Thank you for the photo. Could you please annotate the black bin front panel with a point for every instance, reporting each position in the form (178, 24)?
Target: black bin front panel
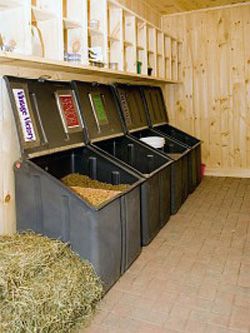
(150, 209)
(131, 212)
(177, 187)
(198, 163)
(110, 237)
(80, 161)
(165, 195)
(52, 210)
(155, 204)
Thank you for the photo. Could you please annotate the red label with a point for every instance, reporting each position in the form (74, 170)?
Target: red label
(69, 111)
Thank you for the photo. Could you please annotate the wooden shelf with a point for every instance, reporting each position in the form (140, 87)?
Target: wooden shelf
(123, 36)
(63, 66)
(71, 24)
(42, 14)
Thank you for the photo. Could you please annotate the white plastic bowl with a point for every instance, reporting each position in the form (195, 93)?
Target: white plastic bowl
(154, 141)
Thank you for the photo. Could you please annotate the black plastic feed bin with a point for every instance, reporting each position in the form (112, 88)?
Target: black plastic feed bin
(51, 136)
(134, 115)
(158, 120)
(105, 132)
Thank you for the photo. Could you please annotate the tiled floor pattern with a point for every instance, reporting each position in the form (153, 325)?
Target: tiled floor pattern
(195, 276)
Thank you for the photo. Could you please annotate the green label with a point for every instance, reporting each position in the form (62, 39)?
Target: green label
(100, 109)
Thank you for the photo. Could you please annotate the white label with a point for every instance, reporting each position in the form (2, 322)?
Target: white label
(24, 115)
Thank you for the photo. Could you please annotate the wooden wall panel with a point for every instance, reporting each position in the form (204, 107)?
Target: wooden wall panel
(214, 101)
(143, 9)
(9, 152)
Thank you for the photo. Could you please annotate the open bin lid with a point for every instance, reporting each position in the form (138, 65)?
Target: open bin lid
(155, 105)
(132, 107)
(99, 109)
(47, 116)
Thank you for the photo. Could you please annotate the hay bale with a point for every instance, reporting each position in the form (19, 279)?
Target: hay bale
(44, 286)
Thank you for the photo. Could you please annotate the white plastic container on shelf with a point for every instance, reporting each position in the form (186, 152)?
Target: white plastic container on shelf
(154, 141)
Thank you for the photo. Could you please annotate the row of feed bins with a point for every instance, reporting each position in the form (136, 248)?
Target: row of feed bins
(110, 138)
(134, 115)
(158, 120)
(84, 129)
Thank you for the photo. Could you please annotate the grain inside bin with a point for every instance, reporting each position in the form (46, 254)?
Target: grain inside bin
(93, 191)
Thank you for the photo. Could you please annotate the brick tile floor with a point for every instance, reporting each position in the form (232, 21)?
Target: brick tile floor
(195, 275)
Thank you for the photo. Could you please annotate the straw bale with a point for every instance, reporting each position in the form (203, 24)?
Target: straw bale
(44, 286)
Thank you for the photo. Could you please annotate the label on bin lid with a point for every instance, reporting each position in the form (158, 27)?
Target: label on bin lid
(24, 115)
(98, 109)
(124, 106)
(68, 111)
(155, 105)
(132, 107)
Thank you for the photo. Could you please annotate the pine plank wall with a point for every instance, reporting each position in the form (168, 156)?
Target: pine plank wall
(213, 103)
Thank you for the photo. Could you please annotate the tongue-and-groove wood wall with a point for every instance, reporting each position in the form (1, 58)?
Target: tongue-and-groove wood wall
(213, 103)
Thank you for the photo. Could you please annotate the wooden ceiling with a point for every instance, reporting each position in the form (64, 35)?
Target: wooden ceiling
(165, 7)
